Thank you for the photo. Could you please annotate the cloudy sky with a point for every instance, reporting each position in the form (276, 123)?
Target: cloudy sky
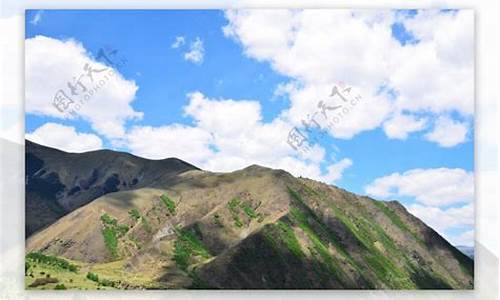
(226, 89)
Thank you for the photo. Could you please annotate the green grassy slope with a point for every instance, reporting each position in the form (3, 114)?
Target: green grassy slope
(255, 228)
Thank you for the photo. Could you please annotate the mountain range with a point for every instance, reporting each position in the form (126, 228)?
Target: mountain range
(112, 220)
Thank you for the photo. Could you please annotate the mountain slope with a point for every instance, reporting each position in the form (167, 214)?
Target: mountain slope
(330, 245)
(58, 182)
(252, 228)
(467, 250)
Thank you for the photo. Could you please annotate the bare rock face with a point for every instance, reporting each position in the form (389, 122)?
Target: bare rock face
(256, 228)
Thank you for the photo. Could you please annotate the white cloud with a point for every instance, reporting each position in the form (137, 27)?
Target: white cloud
(51, 64)
(229, 135)
(187, 143)
(438, 73)
(447, 132)
(400, 125)
(318, 48)
(196, 52)
(335, 170)
(442, 198)
(367, 114)
(465, 238)
(441, 186)
(444, 220)
(37, 18)
(179, 41)
(65, 138)
(225, 117)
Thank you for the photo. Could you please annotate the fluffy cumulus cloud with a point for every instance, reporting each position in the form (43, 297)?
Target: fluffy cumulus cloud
(196, 52)
(441, 186)
(444, 219)
(103, 98)
(442, 198)
(65, 138)
(317, 48)
(447, 132)
(438, 74)
(223, 117)
(336, 170)
(228, 135)
(188, 143)
(400, 125)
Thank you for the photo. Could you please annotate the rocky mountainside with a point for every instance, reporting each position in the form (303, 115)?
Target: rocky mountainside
(58, 182)
(256, 228)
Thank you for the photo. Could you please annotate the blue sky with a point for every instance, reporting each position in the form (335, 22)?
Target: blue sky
(260, 74)
(152, 63)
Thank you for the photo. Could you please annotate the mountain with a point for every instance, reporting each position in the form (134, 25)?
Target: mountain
(256, 228)
(58, 182)
(467, 250)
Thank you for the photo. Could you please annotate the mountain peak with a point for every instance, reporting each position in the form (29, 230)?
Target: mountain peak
(166, 224)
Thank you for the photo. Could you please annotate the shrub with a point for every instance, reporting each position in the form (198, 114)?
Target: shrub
(110, 240)
(169, 203)
(249, 211)
(217, 220)
(106, 282)
(260, 218)
(92, 276)
(187, 245)
(122, 229)
(26, 267)
(237, 221)
(60, 287)
(134, 214)
(106, 219)
(51, 260)
(146, 225)
(233, 205)
(111, 232)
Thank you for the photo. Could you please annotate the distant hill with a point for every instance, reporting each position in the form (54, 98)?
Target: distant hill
(467, 250)
(58, 182)
(257, 228)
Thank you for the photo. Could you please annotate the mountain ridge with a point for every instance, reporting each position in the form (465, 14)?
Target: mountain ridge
(62, 181)
(255, 228)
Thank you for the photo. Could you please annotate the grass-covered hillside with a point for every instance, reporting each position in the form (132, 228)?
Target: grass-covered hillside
(256, 228)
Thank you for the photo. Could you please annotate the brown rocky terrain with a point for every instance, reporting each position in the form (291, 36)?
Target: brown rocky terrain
(256, 228)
